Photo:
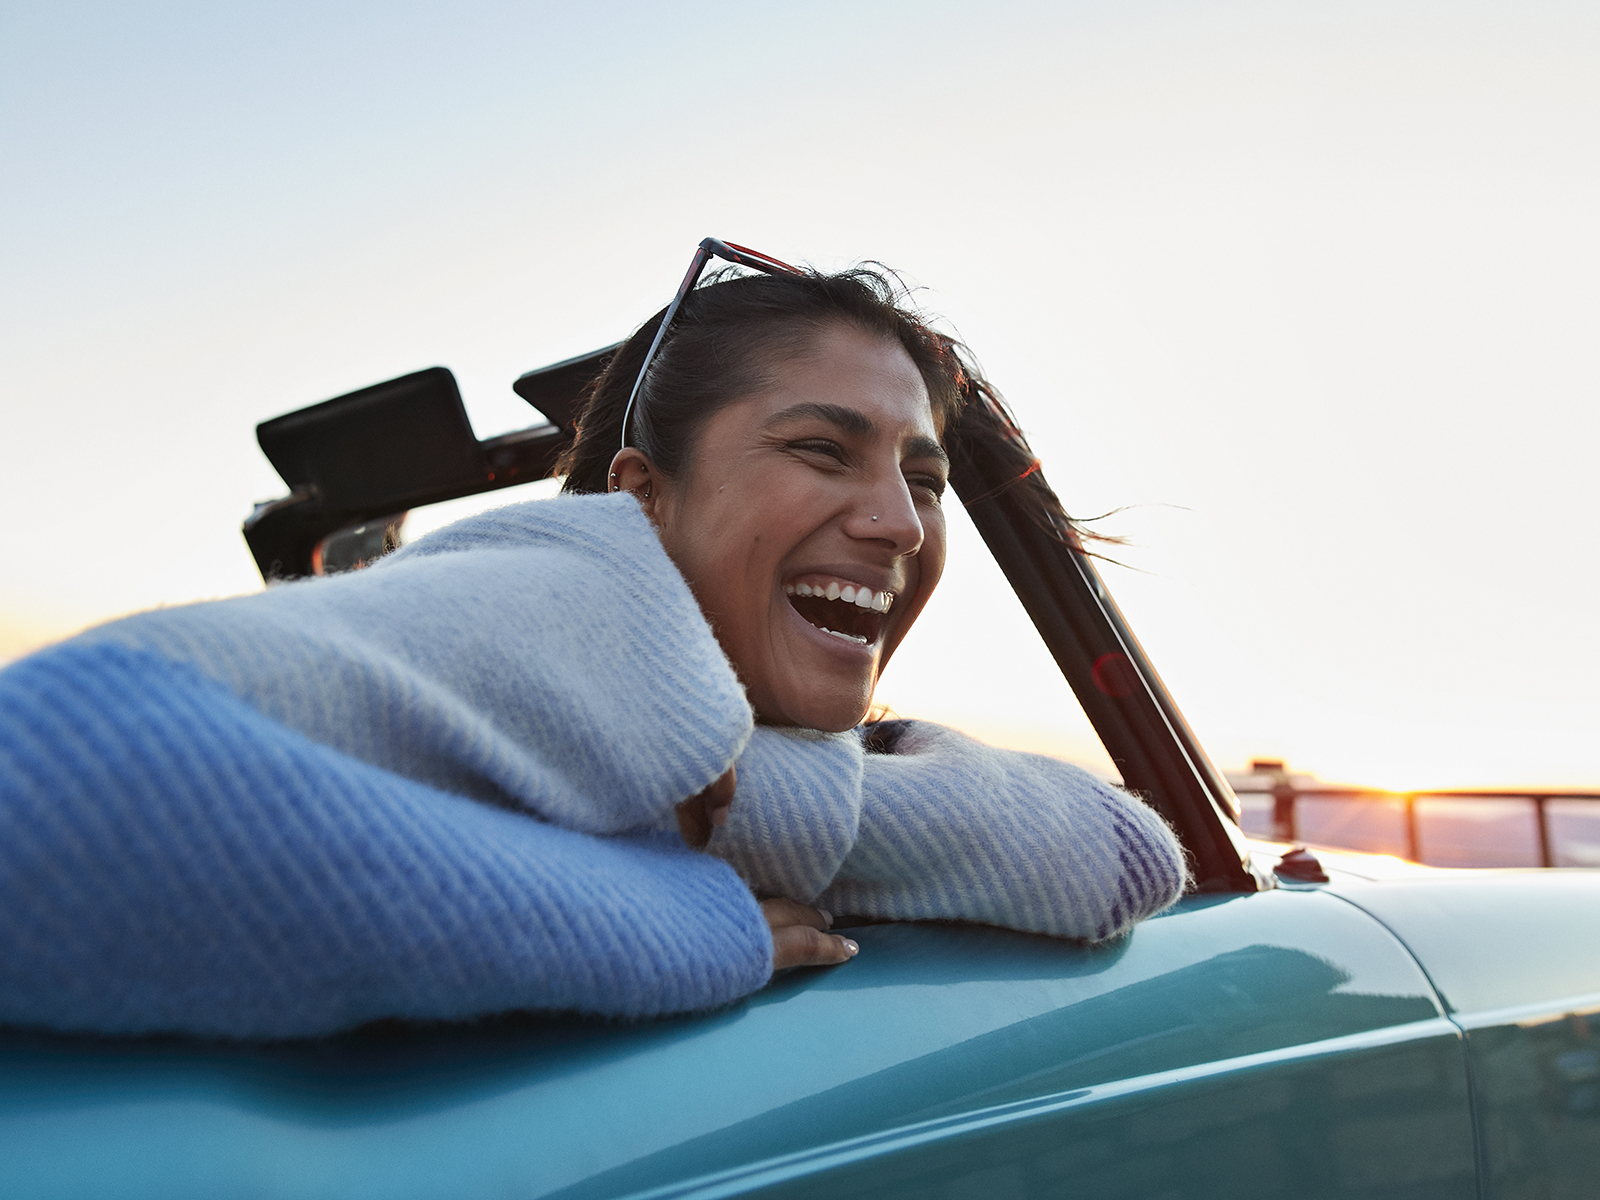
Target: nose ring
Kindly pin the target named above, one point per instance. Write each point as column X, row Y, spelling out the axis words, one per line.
column 874, row 518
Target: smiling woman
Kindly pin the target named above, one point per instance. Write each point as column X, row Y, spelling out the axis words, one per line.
column 460, row 781
column 811, row 533
column 784, row 433
column 790, row 424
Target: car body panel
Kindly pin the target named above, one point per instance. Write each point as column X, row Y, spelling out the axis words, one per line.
column 1289, row 1021
column 1515, row 957
column 1536, row 1077
column 1492, row 939
column 1372, row 1116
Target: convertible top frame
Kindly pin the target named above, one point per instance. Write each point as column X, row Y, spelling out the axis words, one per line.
column 405, row 443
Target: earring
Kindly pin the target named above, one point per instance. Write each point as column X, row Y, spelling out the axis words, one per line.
column 613, row 486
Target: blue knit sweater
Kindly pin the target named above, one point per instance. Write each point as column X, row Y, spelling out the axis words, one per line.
column 444, row 786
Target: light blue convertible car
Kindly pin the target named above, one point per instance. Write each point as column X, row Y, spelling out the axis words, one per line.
column 1319, row 1025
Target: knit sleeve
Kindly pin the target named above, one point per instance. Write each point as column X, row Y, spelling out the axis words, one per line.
column 545, row 656
column 795, row 811
column 951, row 828
column 173, row 860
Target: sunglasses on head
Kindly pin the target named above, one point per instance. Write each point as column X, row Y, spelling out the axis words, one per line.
column 708, row 249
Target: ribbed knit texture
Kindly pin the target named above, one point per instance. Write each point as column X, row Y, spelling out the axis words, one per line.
column 546, row 655
column 170, row 859
column 795, row 811
column 265, row 816
column 946, row 827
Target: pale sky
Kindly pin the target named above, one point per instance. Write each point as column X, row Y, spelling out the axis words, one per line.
column 1312, row 290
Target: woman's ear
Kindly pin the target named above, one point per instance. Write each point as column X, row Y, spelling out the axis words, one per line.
column 631, row 472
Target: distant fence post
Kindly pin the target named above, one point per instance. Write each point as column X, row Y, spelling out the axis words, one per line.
column 1284, row 826
column 1284, row 795
column 1546, row 858
column 1413, row 842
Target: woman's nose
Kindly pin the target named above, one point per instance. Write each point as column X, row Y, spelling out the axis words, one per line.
column 888, row 514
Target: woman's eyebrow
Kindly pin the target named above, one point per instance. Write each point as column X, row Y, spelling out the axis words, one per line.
column 926, row 447
column 848, row 419
column 855, row 422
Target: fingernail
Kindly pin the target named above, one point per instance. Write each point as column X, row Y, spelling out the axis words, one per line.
column 719, row 816
column 850, row 947
column 827, row 918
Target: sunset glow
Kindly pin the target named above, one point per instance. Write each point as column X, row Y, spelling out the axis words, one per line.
column 1303, row 294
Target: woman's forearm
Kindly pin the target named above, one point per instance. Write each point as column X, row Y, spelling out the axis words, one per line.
column 951, row 828
column 946, row 828
column 545, row 656
column 172, row 860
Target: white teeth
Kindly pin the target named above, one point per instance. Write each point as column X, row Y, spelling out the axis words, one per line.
column 849, row 637
column 861, row 597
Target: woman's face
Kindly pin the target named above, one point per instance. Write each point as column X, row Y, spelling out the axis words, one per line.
column 809, row 509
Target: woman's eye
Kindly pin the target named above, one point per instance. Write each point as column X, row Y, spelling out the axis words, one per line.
column 820, row 446
column 931, row 486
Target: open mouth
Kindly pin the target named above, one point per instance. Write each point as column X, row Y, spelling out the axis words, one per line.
column 845, row 610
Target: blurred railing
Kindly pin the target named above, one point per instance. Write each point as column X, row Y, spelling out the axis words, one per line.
column 1463, row 828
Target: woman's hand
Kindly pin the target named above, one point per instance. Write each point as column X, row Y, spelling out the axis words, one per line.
column 699, row 813
column 799, row 932
column 798, row 937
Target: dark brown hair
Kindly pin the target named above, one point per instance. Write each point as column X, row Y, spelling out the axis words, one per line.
column 729, row 337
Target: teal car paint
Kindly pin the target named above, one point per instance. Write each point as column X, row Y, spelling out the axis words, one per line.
column 1286, row 1032
column 1513, row 954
